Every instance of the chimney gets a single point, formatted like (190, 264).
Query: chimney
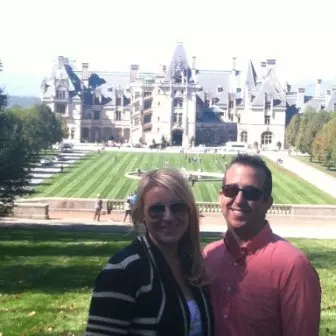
(85, 73)
(193, 65)
(134, 72)
(300, 97)
(318, 87)
(60, 62)
(271, 63)
(263, 69)
(234, 63)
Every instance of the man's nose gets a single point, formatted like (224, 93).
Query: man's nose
(240, 197)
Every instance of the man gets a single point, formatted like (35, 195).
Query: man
(98, 208)
(263, 285)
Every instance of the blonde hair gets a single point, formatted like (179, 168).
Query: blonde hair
(190, 252)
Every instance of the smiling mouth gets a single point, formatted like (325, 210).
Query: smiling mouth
(239, 211)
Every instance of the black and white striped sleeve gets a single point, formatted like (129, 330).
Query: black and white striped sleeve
(113, 299)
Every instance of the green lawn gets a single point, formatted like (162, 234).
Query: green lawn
(319, 166)
(47, 277)
(105, 174)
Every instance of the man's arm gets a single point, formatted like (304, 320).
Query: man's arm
(300, 299)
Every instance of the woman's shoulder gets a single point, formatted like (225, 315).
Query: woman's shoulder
(125, 269)
(126, 258)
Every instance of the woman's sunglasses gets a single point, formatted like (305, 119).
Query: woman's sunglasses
(158, 209)
(249, 193)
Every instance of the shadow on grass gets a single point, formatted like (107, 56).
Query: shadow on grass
(49, 278)
(62, 261)
(53, 235)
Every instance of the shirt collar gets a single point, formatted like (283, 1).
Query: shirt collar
(248, 247)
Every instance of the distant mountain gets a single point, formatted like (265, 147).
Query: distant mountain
(23, 101)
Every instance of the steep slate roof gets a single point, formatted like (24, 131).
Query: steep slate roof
(271, 86)
(211, 81)
(251, 77)
(179, 64)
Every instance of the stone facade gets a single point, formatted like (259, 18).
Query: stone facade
(179, 102)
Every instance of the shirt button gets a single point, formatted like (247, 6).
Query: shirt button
(226, 316)
(235, 263)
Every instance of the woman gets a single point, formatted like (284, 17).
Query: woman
(158, 284)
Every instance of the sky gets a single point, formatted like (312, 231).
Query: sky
(110, 35)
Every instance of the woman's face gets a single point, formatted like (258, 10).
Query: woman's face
(167, 217)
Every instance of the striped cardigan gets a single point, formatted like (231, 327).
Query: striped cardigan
(137, 294)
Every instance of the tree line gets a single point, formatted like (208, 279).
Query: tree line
(314, 132)
(24, 133)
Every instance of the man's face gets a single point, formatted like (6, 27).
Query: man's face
(242, 210)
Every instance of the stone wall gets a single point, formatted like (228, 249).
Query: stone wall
(80, 204)
(31, 210)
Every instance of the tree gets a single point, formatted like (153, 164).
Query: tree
(302, 141)
(42, 127)
(15, 155)
(292, 130)
(325, 142)
(314, 124)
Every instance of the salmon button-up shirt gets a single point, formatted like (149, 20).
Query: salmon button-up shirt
(265, 288)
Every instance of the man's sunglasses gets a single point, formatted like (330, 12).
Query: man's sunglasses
(249, 193)
(158, 209)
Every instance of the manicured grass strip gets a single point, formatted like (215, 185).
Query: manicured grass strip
(101, 173)
(47, 278)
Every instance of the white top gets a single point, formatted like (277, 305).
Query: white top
(195, 319)
(127, 206)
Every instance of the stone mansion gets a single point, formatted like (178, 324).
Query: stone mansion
(179, 102)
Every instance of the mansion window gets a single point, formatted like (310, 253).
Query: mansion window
(60, 94)
(72, 134)
(118, 101)
(60, 108)
(137, 106)
(147, 119)
(238, 119)
(267, 105)
(266, 138)
(117, 115)
(96, 115)
(147, 104)
(214, 101)
(219, 89)
(147, 93)
(243, 136)
(267, 119)
(178, 102)
(231, 104)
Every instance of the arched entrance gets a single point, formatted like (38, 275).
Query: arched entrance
(177, 136)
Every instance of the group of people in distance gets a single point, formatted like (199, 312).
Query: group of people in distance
(250, 283)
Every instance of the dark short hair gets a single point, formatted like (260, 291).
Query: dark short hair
(256, 162)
